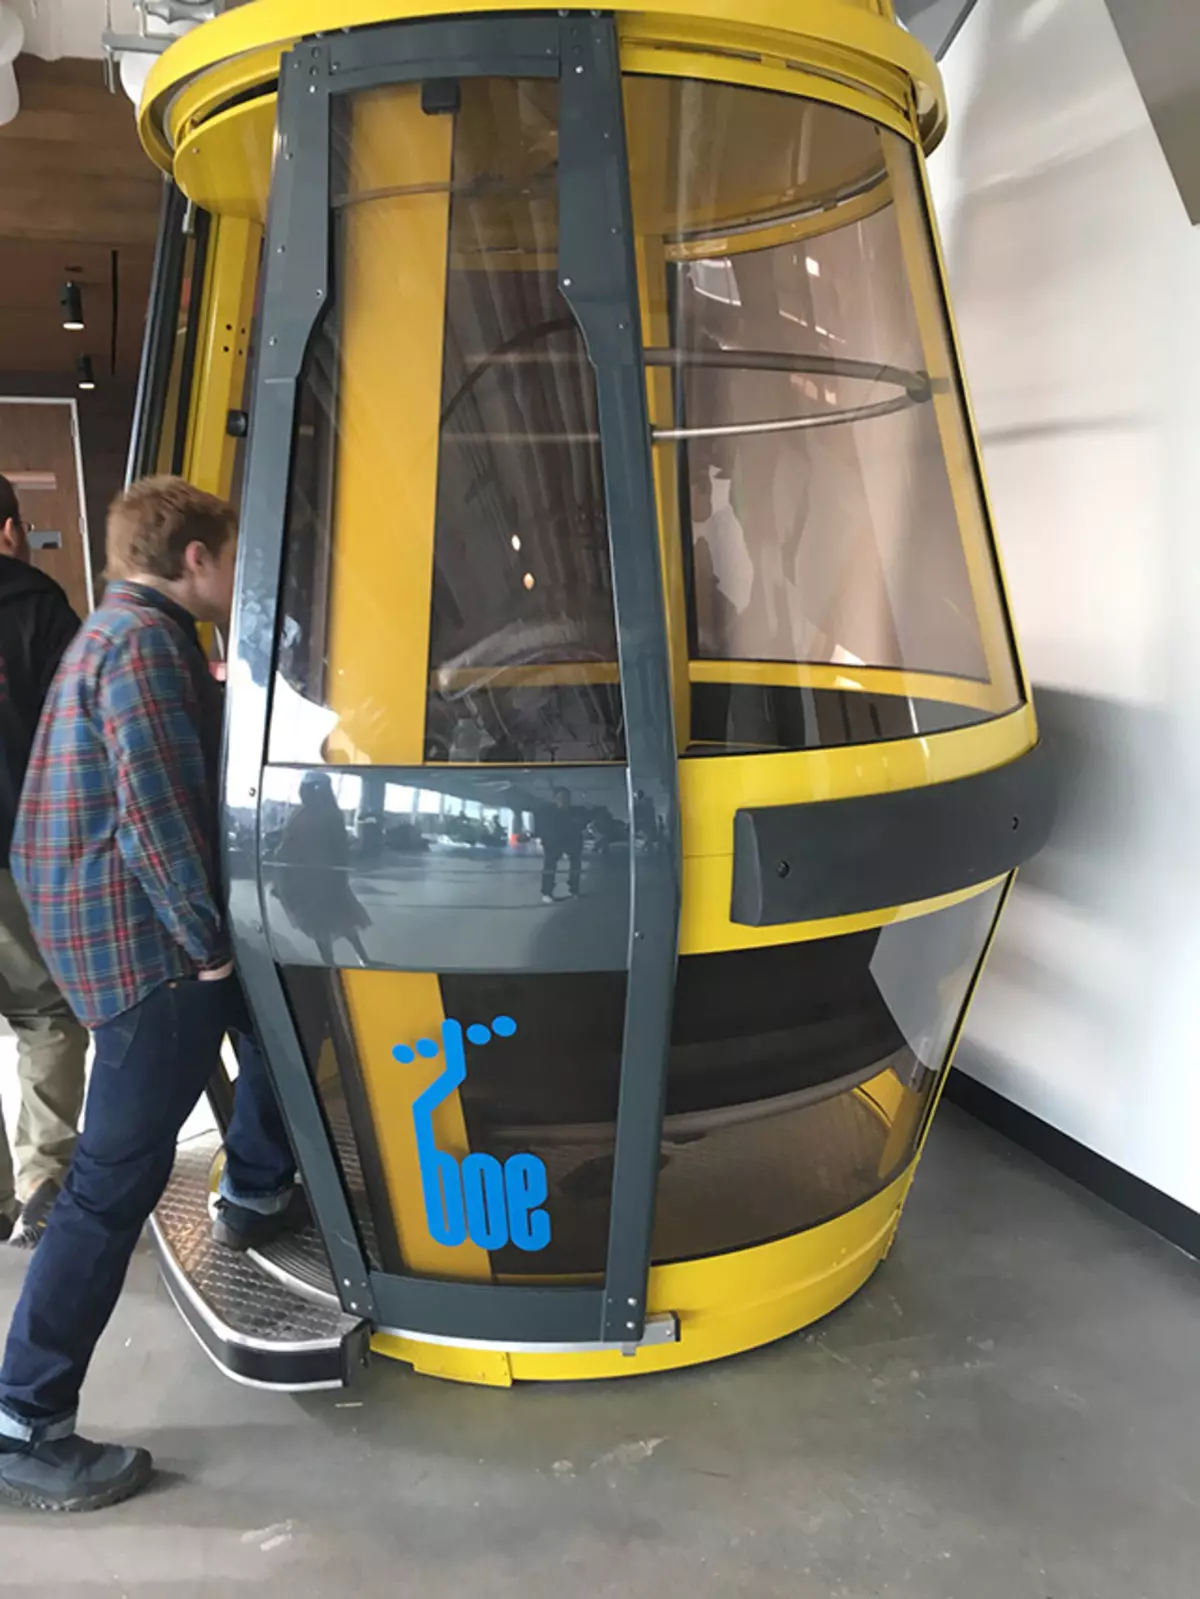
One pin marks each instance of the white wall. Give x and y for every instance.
(55, 28)
(1076, 278)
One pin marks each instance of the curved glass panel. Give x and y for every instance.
(836, 559)
(799, 1081)
(801, 1077)
(409, 1138)
(447, 594)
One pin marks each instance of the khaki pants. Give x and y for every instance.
(52, 1051)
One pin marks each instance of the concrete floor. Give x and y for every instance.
(1011, 1410)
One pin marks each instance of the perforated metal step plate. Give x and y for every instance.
(255, 1328)
(300, 1263)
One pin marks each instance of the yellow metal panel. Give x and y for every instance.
(712, 790)
(224, 165)
(490, 1368)
(392, 289)
(705, 927)
(885, 98)
(846, 38)
(223, 158)
(729, 1303)
(205, 95)
(821, 37)
(221, 352)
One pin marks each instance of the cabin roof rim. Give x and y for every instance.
(256, 35)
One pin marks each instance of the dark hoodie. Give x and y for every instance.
(36, 625)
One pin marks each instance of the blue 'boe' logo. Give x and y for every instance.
(480, 1199)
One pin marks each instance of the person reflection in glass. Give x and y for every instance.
(312, 883)
(645, 821)
(723, 571)
(560, 828)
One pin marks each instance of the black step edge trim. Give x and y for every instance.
(804, 863)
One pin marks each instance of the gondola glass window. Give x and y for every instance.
(840, 581)
(447, 594)
(801, 1077)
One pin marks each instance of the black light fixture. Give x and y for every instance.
(71, 300)
(84, 375)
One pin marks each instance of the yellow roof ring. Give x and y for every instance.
(208, 94)
(240, 49)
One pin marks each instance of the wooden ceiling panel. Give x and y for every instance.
(80, 200)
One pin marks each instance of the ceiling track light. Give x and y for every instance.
(71, 301)
(84, 374)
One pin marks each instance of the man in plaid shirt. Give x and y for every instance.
(115, 856)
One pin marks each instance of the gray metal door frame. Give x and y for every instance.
(597, 277)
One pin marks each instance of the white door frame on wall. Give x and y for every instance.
(49, 399)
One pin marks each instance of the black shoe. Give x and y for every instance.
(35, 1214)
(238, 1228)
(71, 1474)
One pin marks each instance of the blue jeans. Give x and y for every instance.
(151, 1066)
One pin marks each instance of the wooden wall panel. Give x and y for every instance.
(105, 418)
(37, 453)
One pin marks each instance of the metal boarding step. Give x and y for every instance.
(259, 1322)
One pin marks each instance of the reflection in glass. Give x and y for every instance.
(840, 581)
(560, 829)
(309, 873)
(522, 642)
(442, 869)
(446, 593)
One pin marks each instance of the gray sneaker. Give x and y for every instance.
(35, 1213)
(71, 1474)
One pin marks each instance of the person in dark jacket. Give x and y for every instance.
(312, 876)
(560, 828)
(36, 625)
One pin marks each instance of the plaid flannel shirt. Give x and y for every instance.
(115, 852)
